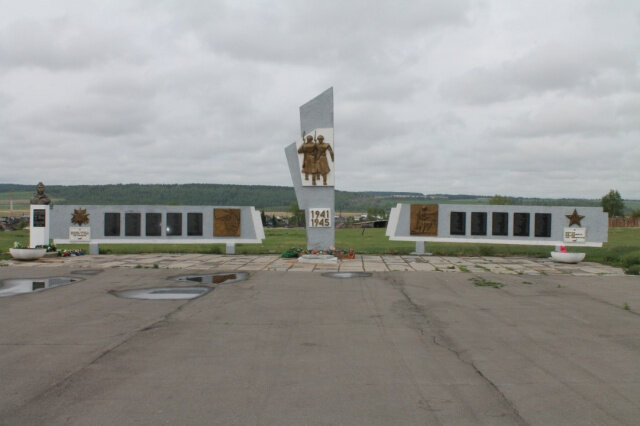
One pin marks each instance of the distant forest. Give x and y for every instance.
(270, 198)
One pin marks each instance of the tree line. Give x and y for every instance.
(275, 198)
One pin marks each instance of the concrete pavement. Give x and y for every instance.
(299, 348)
(366, 263)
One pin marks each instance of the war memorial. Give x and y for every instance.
(258, 339)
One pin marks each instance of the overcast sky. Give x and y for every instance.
(529, 98)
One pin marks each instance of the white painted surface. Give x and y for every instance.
(396, 234)
(27, 253)
(567, 257)
(167, 240)
(392, 224)
(79, 233)
(257, 224)
(39, 236)
(318, 258)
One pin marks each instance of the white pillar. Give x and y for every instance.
(39, 224)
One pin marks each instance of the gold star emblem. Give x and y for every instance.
(574, 218)
(80, 217)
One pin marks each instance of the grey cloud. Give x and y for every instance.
(95, 117)
(397, 87)
(564, 116)
(319, 33)
(59, 44)
(430, 96)
(550, 67)
(131, 84)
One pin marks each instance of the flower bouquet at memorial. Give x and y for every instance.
(340, 254)
(49, 247)
(292, 253)
(72, 252)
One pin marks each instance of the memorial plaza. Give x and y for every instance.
(362, 263)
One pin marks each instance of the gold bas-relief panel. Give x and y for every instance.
(226, 222)
(424, 219)
(80, 217)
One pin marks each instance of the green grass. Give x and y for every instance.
(481, 282)
(7, 239)
(622, 250)
(17, 195)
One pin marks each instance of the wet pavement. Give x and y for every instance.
(300, 348)
(362, 263)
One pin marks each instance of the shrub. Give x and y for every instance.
(631, 259)
(486, 250)
(633, 270)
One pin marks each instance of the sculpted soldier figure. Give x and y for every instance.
(40, 197)
(322, 165)
(308, 148)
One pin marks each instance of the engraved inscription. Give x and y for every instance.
(319, 218)
(79, 233)
(575, 235)
(39, 218)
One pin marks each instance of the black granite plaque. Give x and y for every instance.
(132, 224)
(174, 224)
(39, 218)
(521, 224)
(112, 224)
(478, 223)
(194, 224)
(542, 225)
(153, 226)
(458, 224)
(499, 223)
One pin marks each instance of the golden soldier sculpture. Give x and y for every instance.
(308, 148)
(322, 165)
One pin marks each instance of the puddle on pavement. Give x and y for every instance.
(13, 287)
(347, 274)
(163, 293)
(221, 278)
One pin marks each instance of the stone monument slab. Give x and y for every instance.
(315, 164)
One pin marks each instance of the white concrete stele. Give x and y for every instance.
(253, 222)
(39, 235)
(595, 218)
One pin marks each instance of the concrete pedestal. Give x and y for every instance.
(39, 223)
(420, 249)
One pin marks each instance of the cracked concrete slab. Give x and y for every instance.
(298, 348)
(371, 263)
